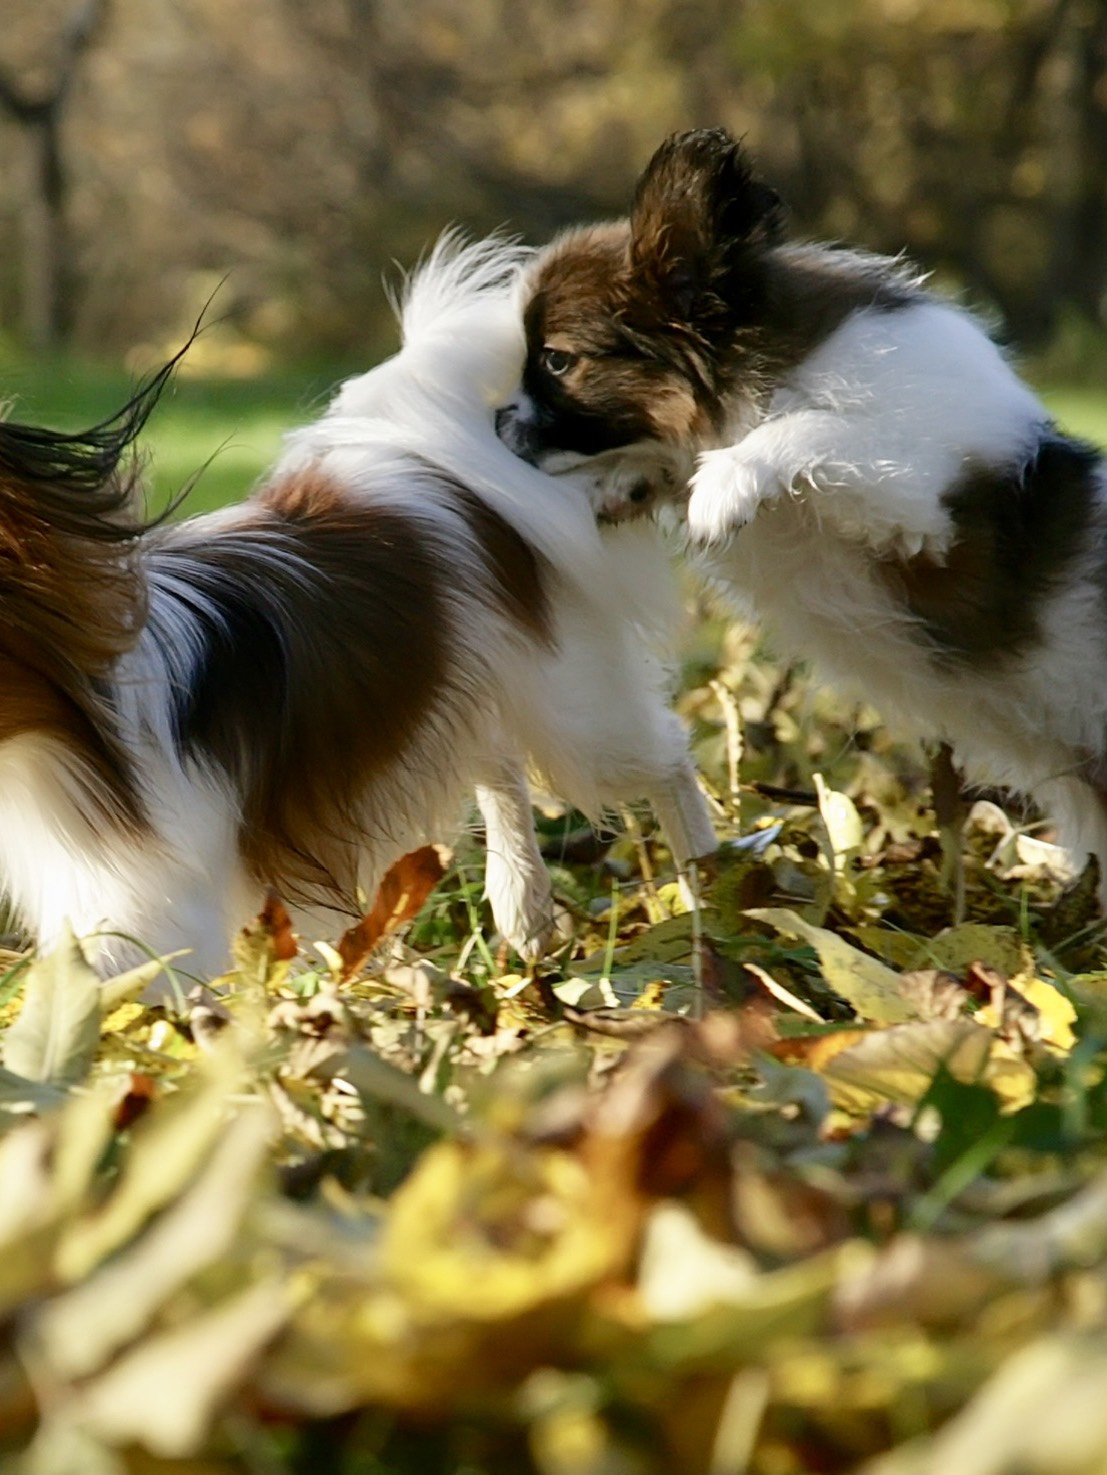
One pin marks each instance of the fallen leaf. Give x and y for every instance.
(899, 1063)
(400, 896)
(972, 942)
(166, 1392)
(843, 826)
(782, 994)
(167, 1149)
(55, 1037)
(1043, 1413)
(866, 984)
(78, 1332)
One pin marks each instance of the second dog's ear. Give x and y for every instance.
(696, 209)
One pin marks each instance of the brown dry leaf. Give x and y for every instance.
(400, 896)
(139, 1091)
(659, 1130)
(275, 920)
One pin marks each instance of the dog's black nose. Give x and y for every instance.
(516, 435)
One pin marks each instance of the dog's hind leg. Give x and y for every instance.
(517, 883)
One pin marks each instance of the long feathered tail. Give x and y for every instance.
(82, 483)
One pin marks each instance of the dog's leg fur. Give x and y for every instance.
(683, 815)
(813, 451)
(517, 883)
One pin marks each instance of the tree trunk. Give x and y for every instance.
(47, 267)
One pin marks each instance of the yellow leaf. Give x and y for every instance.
(673, 898)
(483, 1233)
(843, 824)
(898, 1064)
(867, 984)
(1056, 1013)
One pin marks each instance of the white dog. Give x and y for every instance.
(293, 692)
(871, 478)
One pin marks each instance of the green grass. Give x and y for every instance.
(1079, 410)
(223, 432)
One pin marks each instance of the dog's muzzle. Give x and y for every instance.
(518, 434)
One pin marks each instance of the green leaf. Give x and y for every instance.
(55, 1037)
(974, 942)
(669, 941)
(967, 1109)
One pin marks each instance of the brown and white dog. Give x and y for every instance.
(295, 691)
(868, 475)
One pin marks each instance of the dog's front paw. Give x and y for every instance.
(726, 491)
(523, 906)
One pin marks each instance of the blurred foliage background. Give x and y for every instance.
(287, 152)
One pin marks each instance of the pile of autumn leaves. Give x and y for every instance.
(804, 1183)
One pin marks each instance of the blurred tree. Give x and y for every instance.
(36, 106)
(973, 133)
(298, 149)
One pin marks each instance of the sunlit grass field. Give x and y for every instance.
(225, 432)
(220, 432)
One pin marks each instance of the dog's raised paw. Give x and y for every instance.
(726, 491)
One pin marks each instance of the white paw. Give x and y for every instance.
(522, 907)
(726, 491)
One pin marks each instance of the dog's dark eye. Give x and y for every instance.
(558, 361)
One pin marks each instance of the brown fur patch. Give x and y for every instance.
(75, 714)
(953, 600)
(519, 574)
(319, 670)
(73, 600)
(1017, 531)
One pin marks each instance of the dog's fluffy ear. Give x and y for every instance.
(698, 212)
